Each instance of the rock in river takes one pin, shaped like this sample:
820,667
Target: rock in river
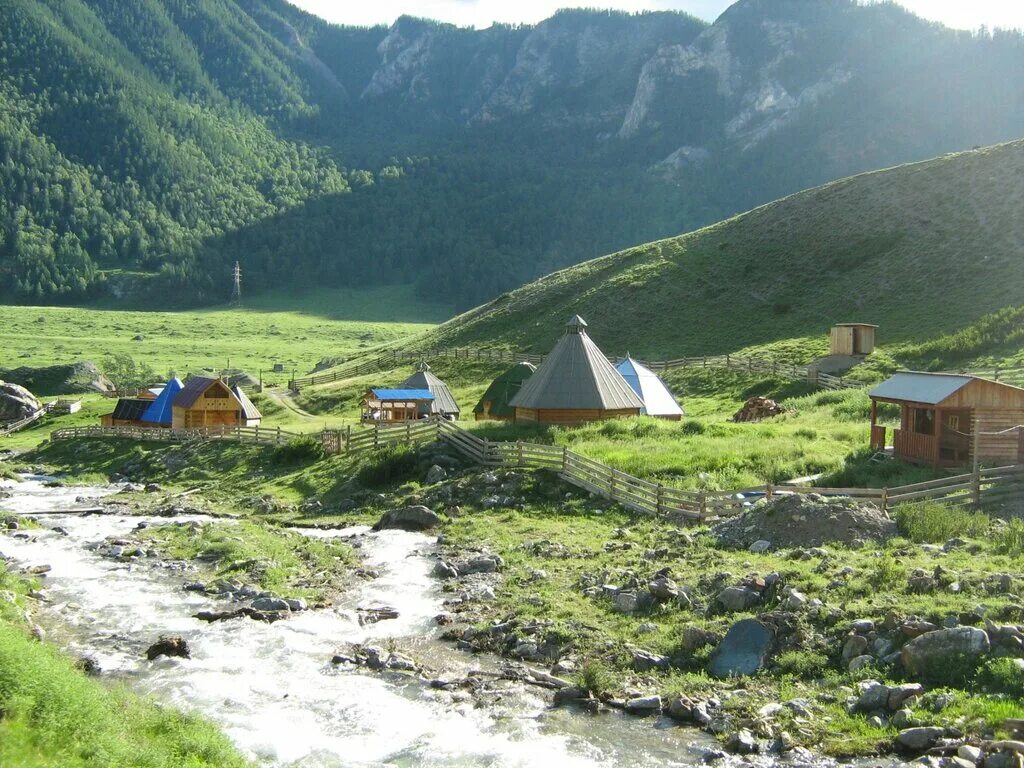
744,649
416,518
168,645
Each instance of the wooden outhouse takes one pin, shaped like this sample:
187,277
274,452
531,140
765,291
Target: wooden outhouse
853,339
392,406
575,384
945,417
209,402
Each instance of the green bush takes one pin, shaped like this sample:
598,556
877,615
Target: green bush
1003,676
391,465
888,573
932,522
1010,539
644,428
595,677
693,427
301,450
803,664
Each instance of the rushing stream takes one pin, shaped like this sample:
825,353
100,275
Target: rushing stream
272,687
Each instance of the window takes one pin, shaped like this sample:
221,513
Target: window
953,422
924,421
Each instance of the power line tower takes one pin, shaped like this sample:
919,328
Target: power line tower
236,286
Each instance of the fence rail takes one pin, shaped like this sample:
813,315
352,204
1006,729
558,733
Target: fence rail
732,362
10,427
976,489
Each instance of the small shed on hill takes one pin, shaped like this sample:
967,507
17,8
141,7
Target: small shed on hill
853,339
575,384
159,413
209,402
443,403
127,412
391,406
495,405
658,399
945,416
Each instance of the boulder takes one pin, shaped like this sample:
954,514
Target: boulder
760,546
645,661
915,740
735,599
17,403
663,589
270,604
644,705
742,743
415,518
436,474
626,602
168,645
943,648
744,650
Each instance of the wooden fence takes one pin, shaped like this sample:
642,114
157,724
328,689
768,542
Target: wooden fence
266,435
762,365
10,427
981,488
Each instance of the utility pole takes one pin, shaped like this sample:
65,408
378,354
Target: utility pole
236,286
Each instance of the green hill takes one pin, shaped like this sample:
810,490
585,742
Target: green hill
921,250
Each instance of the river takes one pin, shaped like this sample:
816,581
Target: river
272,688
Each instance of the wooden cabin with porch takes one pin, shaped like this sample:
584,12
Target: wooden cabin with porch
209,402
945,418
394,406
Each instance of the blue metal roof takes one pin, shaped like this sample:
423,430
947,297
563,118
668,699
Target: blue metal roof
658,400
159,411
402,394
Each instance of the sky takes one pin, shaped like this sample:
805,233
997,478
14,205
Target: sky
962,14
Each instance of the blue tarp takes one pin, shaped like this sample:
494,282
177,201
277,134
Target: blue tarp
159,411
402,394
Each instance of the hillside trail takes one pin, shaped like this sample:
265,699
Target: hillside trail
283,397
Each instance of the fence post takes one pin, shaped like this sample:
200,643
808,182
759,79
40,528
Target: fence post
519,449
565,459
611,483
408,426
660,503
278,441
976,486
348,439
885,501
702,512
257,433
727,362
769,491
376,435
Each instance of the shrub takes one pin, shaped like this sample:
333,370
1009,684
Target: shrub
394,464
933,522
807,433
804,664
1010,539
301,450
595,677
693,427
644,429
887,573
1003,676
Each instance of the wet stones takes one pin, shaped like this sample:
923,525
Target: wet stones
375,658
270,604
169,645
643,706
237,613
373,615
413,518
917,740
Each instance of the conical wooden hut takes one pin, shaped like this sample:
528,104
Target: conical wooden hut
495,405
575,384
443,403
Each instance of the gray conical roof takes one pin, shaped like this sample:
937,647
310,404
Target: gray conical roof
576,375
444,400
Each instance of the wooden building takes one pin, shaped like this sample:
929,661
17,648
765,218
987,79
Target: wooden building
854,339
945,417
392,406
209,402
443,403
575,384
127,412
495,405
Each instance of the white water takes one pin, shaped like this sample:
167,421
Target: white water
272,687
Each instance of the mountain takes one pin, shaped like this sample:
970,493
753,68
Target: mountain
148,144
921,250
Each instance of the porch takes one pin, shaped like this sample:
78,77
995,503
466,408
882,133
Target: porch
927,435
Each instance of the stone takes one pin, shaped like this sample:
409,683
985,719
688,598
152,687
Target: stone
168,645
735,599
270,604
695,638
1002,760
482,564
795,600
17,403
663,589
625,602
644,705
760,546
863,626
645,661
445,570
744,650
916,740
855,645
858,663
296,604
932,651
969,753
742,743
901,694
685,710
571,694
902,718
414,518
873,696
436,474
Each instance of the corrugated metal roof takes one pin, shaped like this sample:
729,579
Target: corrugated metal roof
249,411
930,388
504,388
658,400
160,410
444,401
576,375
402,394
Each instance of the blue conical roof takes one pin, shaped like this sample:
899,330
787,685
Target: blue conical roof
658,401
159,411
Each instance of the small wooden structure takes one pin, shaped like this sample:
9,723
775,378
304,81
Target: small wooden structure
853,339
575,384
495,405
444,403
945,418
392,406
127,413
209,402
64,406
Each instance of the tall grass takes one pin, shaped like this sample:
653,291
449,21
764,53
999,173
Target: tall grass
933,522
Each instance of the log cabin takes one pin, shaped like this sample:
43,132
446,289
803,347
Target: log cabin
945,417
209,402
393,406
575,384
